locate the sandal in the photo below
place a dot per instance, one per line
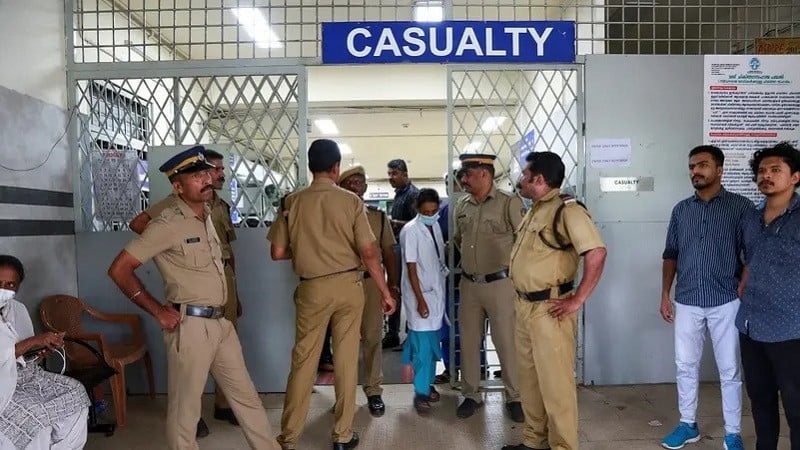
(434, 396)
(421, 404)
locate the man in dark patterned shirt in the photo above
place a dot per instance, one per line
(403, 209)
(769, 318)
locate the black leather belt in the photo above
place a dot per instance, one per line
(329, 275)
(208, 312)
(486, 278)
(542, 295)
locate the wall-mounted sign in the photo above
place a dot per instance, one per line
(627, 184)
(377, 195)
(448, 42)
(778, 46)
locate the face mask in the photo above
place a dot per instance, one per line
(428, 220)
(5, 296)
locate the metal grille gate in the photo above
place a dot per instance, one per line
(509, 112)
(127, 120)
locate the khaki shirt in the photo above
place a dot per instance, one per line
(485, 231)
(187, 252)
(220, 215)
(534, 265)
(381, 227)
(324, 226)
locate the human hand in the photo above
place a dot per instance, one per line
(389, 305)
(422, 309)
(51, 340)
(563, 307)
(666, 310)
(168, 317)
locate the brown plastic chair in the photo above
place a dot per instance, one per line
(64, 313)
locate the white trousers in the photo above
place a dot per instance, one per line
(691, 323)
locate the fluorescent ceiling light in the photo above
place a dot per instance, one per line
(256, 25)
(326, 126)
(472, 147)
(345, 149)
(428, 11)
(491, 124)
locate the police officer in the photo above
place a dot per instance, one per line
(354, 180)
(198, 337)
(553, 236)
(221, 217)
(486, 221)
(324, 230)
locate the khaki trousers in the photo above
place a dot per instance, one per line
(195, 347)
(546, 361)
(230, 313)
(338, 299)
(479, 300)
(371, 339)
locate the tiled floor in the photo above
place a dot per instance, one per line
(625, 417)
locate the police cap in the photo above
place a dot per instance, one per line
(187, 161)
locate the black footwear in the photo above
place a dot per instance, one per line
(515, 411)
(345, 445)
(225, 414)
(521, 447)
(391, 340)
(467, 408)
(376, 405)
(422, 404)
(202, 429)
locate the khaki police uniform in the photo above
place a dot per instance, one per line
(188, 254)
(221, 217)
(372, 322)
(545, 345)
(323, 225)
(484, 233)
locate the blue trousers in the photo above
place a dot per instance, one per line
(422, 350)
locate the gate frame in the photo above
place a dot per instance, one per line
(580, 181)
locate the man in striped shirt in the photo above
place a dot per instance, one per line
(703, 247)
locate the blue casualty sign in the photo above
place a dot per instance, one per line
(448, 42)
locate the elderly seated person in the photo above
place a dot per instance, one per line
(38, 409)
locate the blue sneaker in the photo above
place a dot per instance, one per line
(733, 442)
(683, 434)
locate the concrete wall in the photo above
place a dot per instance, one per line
(36, 214)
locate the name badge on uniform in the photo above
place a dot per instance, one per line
(193, 240)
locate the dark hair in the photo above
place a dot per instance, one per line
(427, 195)
(397, 164)
(212, 154)
(784, 150)
(548, 165)
(14, 263)
(323, 155)
(712, 150)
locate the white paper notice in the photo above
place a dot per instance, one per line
(750, 102)
(610, 152)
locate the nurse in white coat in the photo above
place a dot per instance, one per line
(38, 410)
(423, 295)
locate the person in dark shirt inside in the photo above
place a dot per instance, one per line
(403, 210)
